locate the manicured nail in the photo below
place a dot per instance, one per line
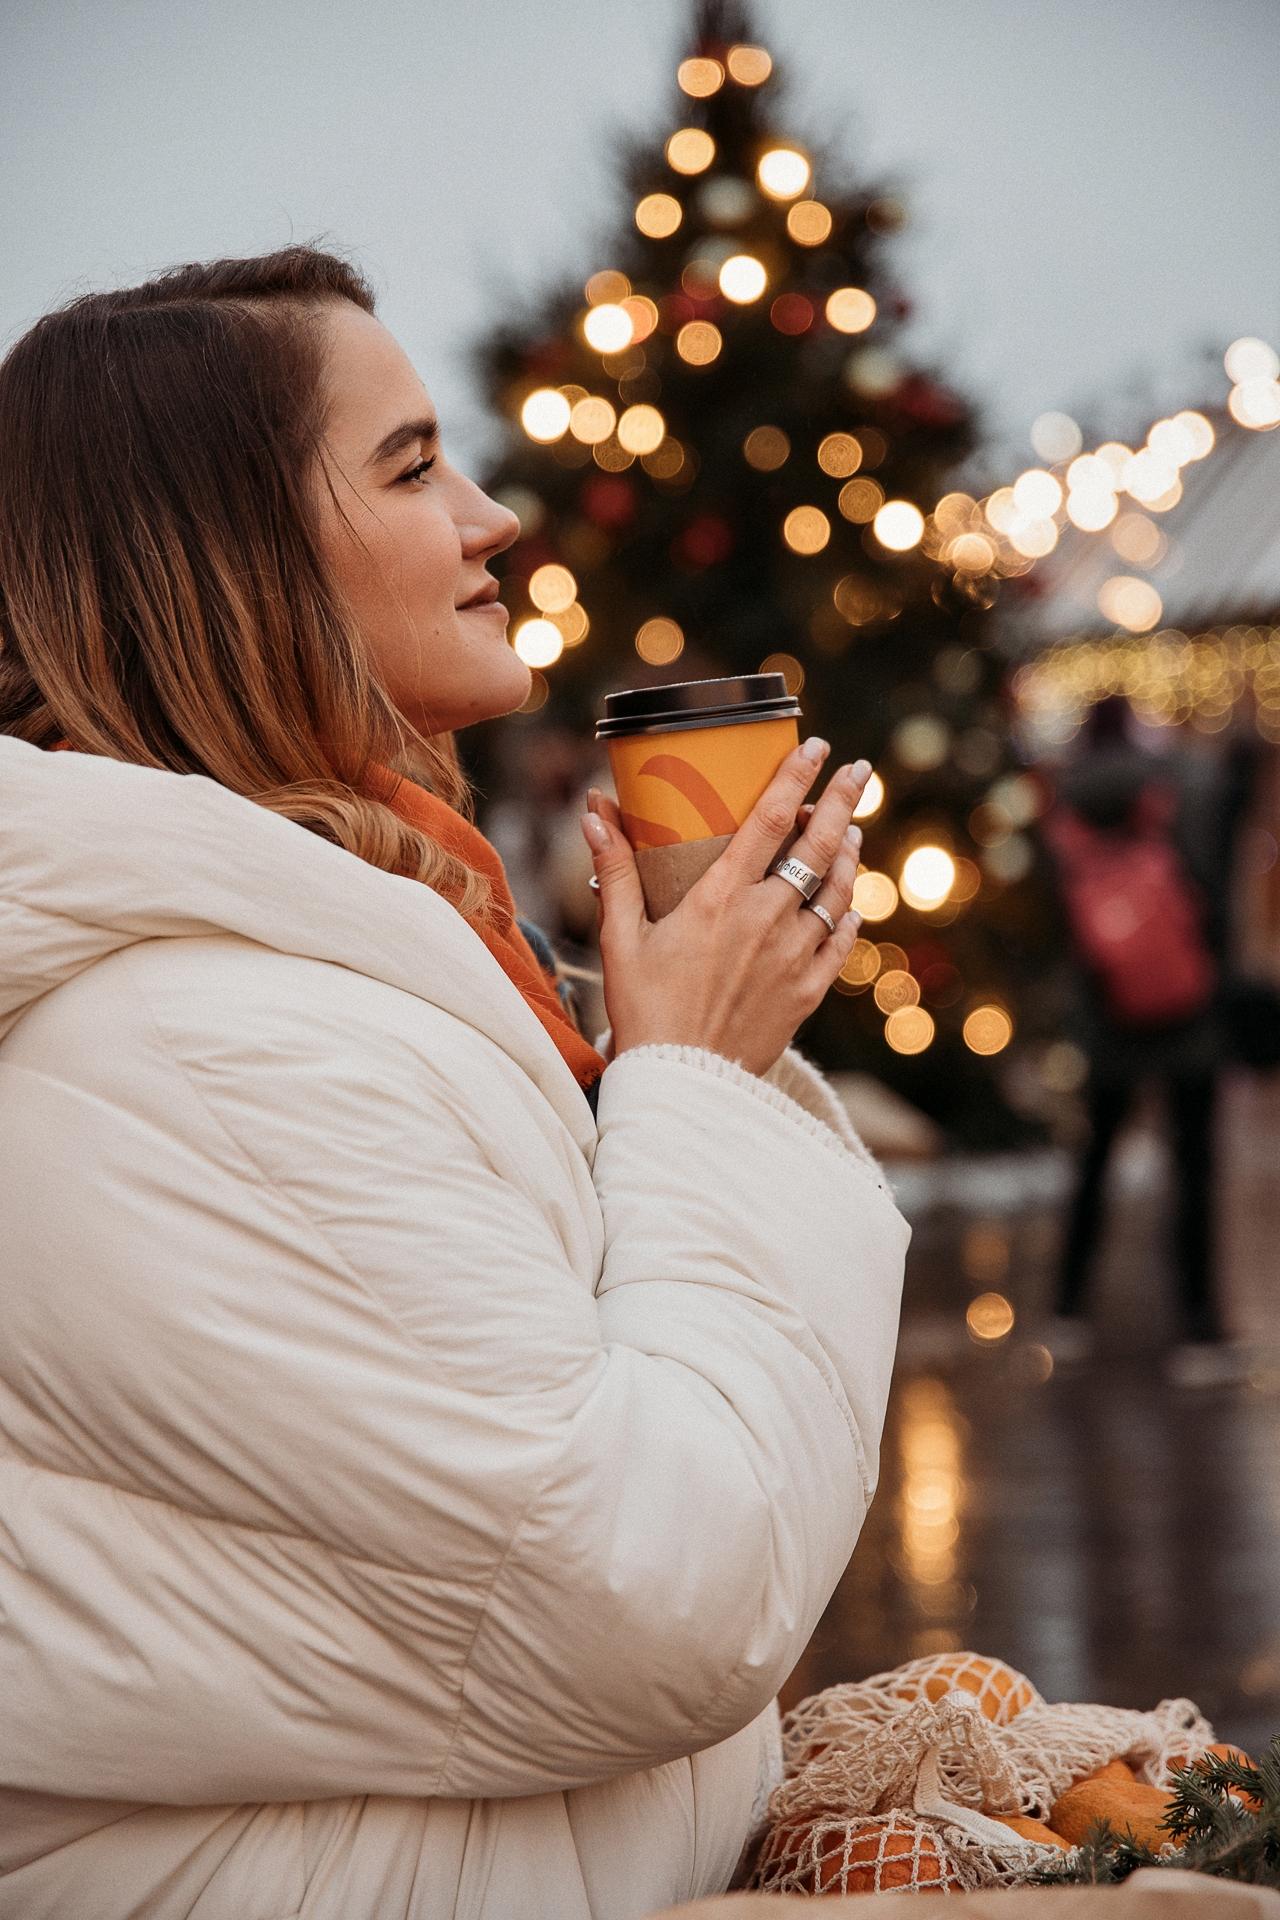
(593, 799)
(815, 750)
(596, 831)
(853, 920)
(853, 838)
(861, 771)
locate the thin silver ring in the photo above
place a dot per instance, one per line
(797, 875)
(811, 906)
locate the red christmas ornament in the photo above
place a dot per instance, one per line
(792, 313)
(705, 542)
(608, 500)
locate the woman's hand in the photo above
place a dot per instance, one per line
(738, 965)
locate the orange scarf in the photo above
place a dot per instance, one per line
(437, 819)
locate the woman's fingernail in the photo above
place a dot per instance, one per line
(593, 799)
(815, 750)
(596, 831)
(861, 771)
(853, 838)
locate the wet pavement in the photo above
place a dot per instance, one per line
(1113, 1536)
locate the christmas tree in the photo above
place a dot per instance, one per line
(723, 463)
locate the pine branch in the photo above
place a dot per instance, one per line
(1216, 1835)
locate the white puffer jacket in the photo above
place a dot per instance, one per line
(412, 1494)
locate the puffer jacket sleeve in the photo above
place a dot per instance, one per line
(415, 1451)
(710, 1484)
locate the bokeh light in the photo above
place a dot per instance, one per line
(1037, 494)
(861, 500)
(990, 1318)
(749, 66)
(862, 965)
(539, 643)
(607, 328)
(874, 895)
(699, 343)
(850, 310)
(1255, 403)
(691, 150)
(783, 173)
(552, 588)
(808, 223)
(788, 666)
(840, 454)
(806, 530)
(592, 420)
(699, 78)
(743, 278)
(899, 525)
(545, 415)
(1251, 359)
(895, 990)
(1138, 540)
(658, 215)
(659, 641)
(910, 1030)
(988, 1030)
(1055, 436)
(1129, 602)
(766, 448)
(641, 429)
(928, 875)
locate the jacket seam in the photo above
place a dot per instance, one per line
(703, 1060)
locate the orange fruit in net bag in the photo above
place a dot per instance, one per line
(1000, 1692)
(1028, 1829)
(841, 1854)
(1128, 1806)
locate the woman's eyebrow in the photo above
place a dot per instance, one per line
(404, 436)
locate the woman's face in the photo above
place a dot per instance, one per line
(419, 537)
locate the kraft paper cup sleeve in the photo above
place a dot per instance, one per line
(667, 873)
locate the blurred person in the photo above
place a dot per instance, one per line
(428, 1441)
(1144, 843)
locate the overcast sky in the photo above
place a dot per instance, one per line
(1094, 184)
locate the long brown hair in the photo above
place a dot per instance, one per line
(163, 598)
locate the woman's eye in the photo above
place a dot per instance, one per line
(420, 471)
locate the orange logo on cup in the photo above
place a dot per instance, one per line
(695, 783)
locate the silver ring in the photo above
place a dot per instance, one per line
(811, 906)
(797, 875)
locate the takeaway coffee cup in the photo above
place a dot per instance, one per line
(689, 762)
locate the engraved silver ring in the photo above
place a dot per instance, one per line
(811, 906)
(797, 875)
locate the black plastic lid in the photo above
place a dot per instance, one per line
(698, 703)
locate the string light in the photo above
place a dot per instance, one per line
(988, 1030)
(592, 420)
(660, 641)
(641, 429)
(607, 287)
(928, 875)
(861, 500)
(766, 449)
(910, 1030)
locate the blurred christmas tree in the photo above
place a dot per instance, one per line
(723, 462)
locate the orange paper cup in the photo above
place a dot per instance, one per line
(689, 762)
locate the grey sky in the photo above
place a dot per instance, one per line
(1094, 184)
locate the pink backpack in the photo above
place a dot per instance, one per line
(1136, 915)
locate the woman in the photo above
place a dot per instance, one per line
(415, 1484)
